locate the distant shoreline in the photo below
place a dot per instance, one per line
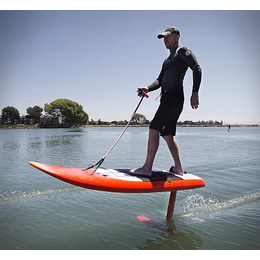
(21, 126)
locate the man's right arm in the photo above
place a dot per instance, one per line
(155, 85)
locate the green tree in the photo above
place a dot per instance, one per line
(34, 112)
(72, 112)
(121, 122)
(92, 122)
(10, 113)
(138, 119)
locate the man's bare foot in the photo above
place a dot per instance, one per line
(176, 170)
(141, 171)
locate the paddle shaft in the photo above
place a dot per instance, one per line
(97, 165)
(112, 147)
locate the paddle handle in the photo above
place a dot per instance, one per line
(143, 93)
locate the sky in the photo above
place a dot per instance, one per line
(99, 59)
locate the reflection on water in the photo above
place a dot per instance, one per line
(169, 238)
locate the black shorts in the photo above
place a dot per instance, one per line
(167, 115)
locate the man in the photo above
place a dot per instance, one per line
(172, 98)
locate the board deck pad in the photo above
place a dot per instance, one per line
(156, 175)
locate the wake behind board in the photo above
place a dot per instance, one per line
(121, 180)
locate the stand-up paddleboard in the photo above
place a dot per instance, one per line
(121, 180)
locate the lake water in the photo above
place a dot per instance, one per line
(38, 211)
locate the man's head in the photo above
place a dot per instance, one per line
(169, 31)
(171, 37)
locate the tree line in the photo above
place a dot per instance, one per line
(138, 119)
(200, 123)
(72, 113)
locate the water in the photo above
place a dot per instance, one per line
(40, 212)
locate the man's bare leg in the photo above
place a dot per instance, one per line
(153, 144)
(174, 149)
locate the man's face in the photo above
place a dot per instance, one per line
(171, 41)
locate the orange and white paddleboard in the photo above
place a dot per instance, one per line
(121, 180)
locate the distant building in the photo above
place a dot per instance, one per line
(3, 121)
(26, 120)
(51, 120)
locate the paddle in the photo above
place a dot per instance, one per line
(97, 165)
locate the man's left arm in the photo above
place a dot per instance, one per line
(192, 62)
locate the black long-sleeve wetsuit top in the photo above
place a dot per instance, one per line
(174, 69)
